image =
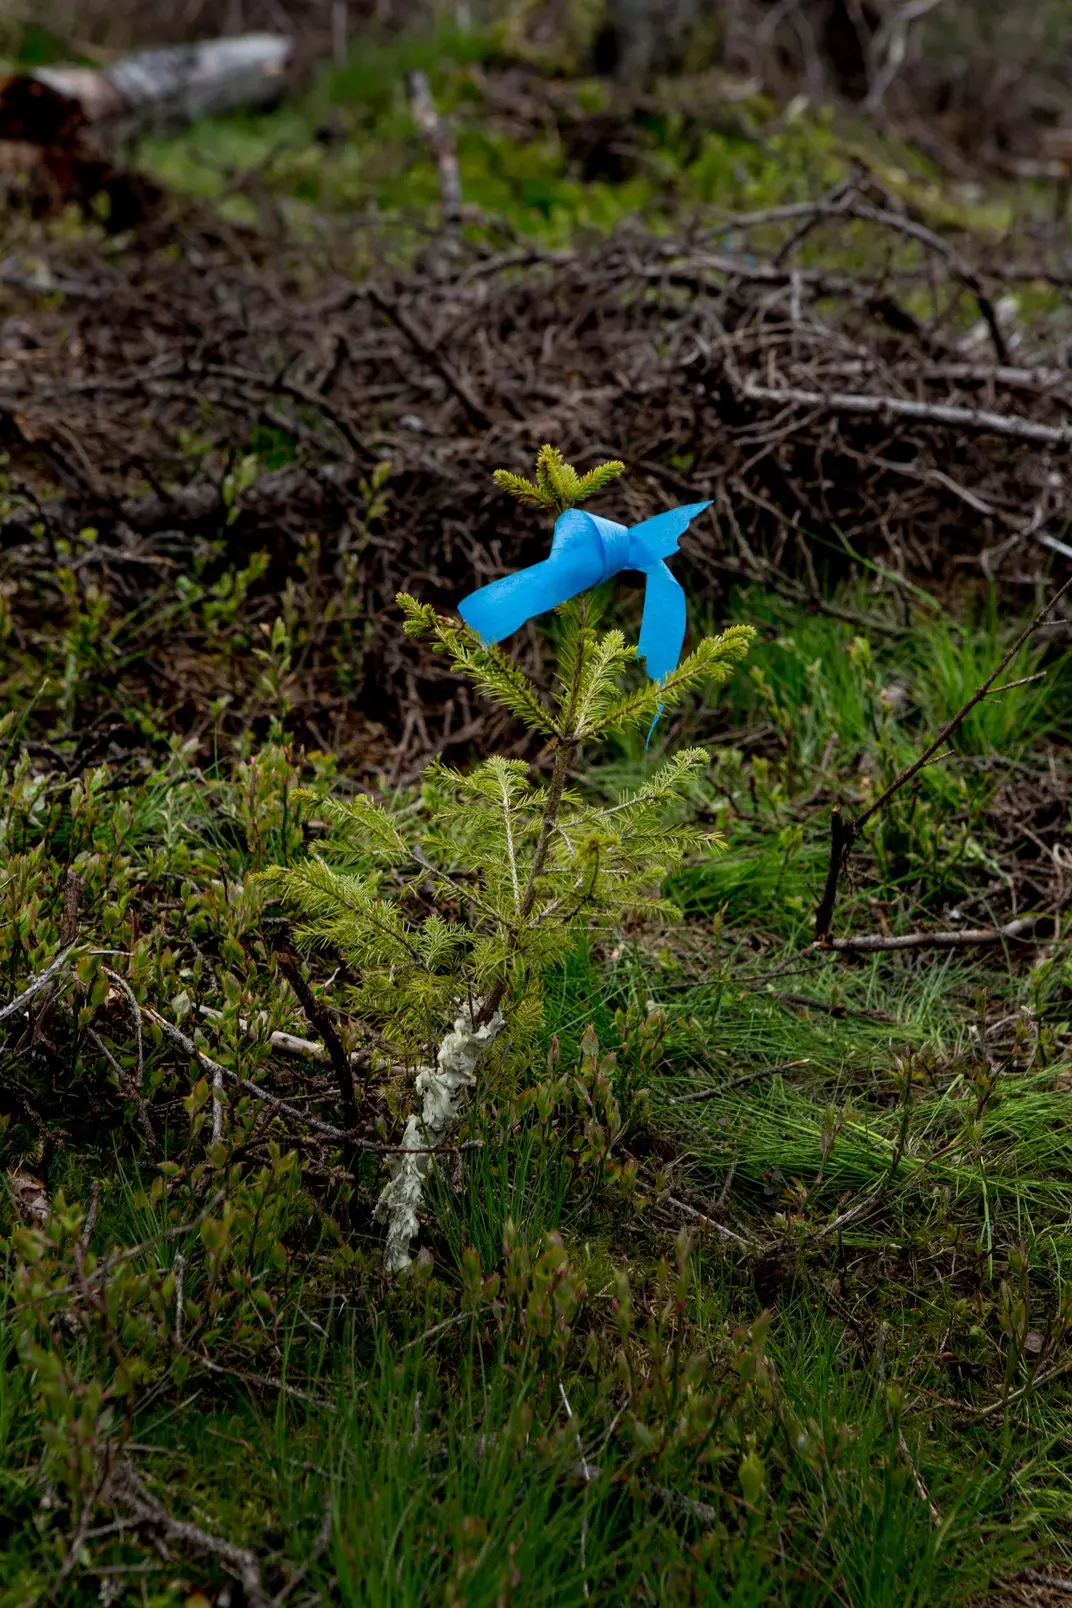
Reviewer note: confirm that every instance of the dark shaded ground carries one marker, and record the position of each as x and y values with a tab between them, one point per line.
202	401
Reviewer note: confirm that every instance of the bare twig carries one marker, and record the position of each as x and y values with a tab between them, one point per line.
91	1215
686	1507
843	836
850	206
897	407
432	355
321	1020
294	1113
881	943
138	1082
1043	1376
686	1210
1035	1577
697	1095
72	898
126	1487
300	1049
840	841
34	988
434	131
179	1267
890	47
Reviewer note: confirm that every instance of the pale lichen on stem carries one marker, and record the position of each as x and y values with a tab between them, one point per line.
443	1089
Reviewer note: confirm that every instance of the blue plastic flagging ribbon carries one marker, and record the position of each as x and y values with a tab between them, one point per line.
586	550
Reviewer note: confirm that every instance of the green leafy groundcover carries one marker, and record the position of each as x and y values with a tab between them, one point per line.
750	1286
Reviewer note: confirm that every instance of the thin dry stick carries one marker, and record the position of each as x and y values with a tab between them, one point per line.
696	1095
880	943
896	407
318	1016
110	1263
435	132
1062	1587
708	1222
128	1489
35	986
123	1079
91	1215
179	1266
217	1104
301	1049
850	207
843	835
219	1073
902	1444
256	1379
284	1108
976	1415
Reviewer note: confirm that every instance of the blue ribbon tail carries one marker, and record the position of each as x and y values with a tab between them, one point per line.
497	610
651	728
662	629
658	537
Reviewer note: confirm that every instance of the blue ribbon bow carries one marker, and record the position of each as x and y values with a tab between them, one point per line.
585	550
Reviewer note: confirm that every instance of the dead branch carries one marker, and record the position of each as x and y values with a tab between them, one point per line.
301	1049
220	1074
150	1513
708	1222
137	1083
896	407
321	1020
434	131
34	988
882	943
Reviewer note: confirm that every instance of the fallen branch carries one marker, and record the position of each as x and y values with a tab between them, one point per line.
341	1062
896	407
848	206
284	1108
686	1210
434	131
879	943
41	981
736	1083
137	1083
127	1488
220	1073
431	354
184	82
1044	1376
299	1049
1056	1583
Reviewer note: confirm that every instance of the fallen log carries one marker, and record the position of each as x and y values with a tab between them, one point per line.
57	123
182	83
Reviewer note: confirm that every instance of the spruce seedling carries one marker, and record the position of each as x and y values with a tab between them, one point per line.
516	867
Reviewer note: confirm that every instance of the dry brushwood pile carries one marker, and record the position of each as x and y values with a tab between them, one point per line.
894	412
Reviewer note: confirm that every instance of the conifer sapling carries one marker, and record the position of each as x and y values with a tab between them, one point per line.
515	866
